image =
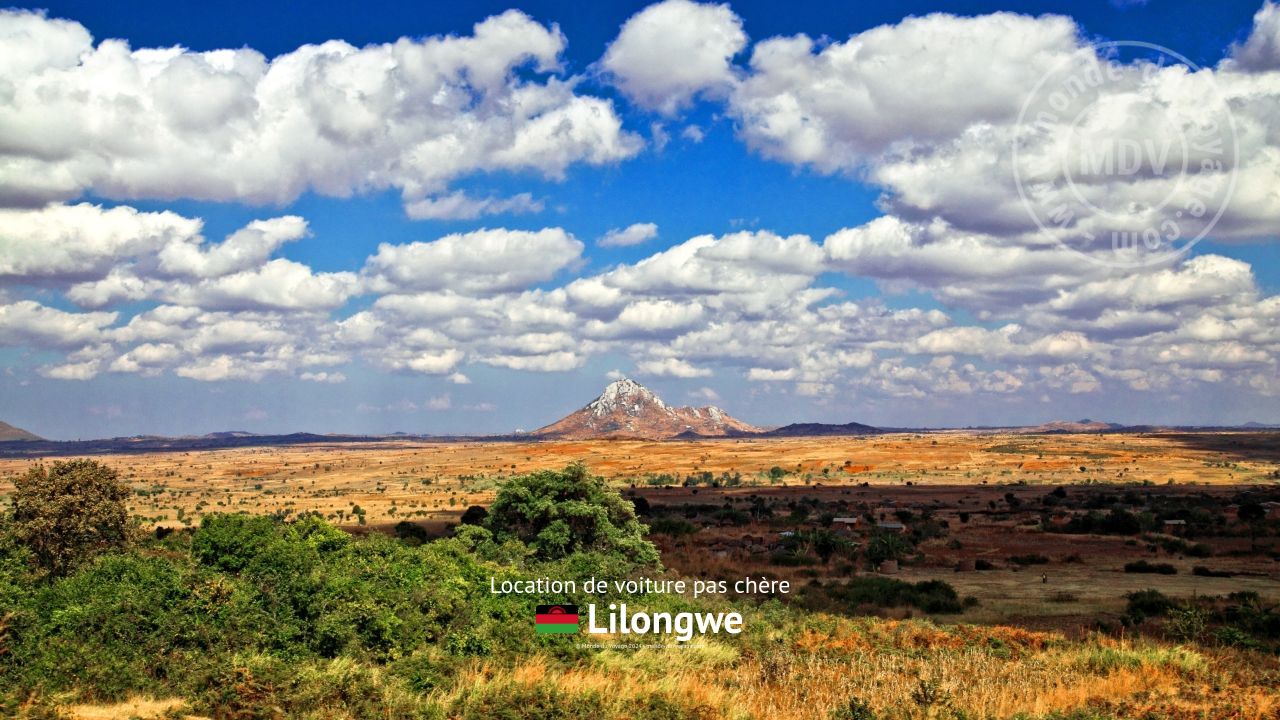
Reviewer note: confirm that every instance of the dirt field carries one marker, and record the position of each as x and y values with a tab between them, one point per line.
436	481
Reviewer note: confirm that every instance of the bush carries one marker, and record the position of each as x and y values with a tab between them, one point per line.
69	513
1234	637
1186	623
1117	522
674	527
933	596
1142	566
1030	559
411	532
474	515
791	558
1200	550
1202	571
1147	603
110	626
231	541
560	513
643	509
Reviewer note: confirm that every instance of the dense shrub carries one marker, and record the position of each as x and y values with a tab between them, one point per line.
112	627
674	527
474	515
160	620
1147	603
559	513
1247	611
410	532
732	516
1199	550
1116	522
1029	559
70	512
1143	566
230	542
934	596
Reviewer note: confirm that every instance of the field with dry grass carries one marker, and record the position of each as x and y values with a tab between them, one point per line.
393	481
1045	631
819	666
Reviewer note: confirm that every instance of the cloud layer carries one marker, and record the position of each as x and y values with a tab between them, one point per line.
413	115
749	304
927	110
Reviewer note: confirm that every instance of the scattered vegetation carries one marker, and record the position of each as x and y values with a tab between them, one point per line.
1143	566
271	615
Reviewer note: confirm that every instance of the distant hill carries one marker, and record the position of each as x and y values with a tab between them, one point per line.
9	432
627	409
1071	426
822	429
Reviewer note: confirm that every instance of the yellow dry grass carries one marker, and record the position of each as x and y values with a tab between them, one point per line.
913	670
393	481
139	707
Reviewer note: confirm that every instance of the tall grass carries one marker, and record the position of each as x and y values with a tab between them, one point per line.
816	666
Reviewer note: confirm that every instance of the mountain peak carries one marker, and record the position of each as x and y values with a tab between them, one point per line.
625	395
627	409
9	432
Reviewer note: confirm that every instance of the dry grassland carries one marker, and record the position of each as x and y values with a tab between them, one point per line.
392	481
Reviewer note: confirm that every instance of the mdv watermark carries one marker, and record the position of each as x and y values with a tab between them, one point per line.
1127	162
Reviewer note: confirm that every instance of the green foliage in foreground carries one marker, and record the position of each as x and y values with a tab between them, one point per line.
253	617
251	612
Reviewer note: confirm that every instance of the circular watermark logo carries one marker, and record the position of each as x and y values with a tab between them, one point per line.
1126	152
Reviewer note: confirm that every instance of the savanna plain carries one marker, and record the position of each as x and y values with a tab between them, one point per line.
948	574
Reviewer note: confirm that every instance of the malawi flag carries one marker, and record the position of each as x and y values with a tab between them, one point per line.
557	619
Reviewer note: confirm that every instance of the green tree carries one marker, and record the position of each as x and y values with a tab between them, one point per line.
824	543
887	546
474	515
68	513
559	513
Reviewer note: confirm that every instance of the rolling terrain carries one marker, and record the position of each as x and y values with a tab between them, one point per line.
422	479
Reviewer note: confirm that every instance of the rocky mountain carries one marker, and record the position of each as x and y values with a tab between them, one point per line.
627	409
9	432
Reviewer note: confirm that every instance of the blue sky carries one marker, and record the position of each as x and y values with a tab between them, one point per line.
888	337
